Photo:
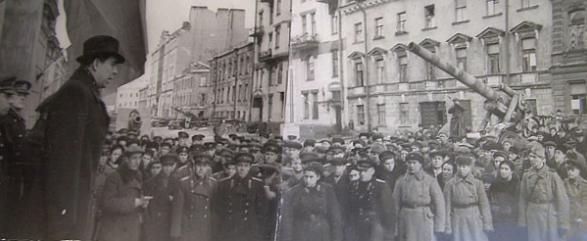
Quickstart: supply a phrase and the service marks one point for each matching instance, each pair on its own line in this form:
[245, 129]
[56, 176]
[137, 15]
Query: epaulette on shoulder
[184, 178]
[380, 180]
[256, 179]
[224, 179]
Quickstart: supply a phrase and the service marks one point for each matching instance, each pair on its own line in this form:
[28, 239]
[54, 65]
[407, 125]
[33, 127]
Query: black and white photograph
[293, 120]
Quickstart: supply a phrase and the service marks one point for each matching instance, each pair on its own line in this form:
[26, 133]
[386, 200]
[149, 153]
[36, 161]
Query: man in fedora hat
[76, 127]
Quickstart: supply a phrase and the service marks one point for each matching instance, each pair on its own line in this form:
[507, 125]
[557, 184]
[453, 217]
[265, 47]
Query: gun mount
[504, 103]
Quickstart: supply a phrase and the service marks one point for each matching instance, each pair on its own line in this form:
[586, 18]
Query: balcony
[267, 1]
[305, 41]
[265, 55]
[257, 32]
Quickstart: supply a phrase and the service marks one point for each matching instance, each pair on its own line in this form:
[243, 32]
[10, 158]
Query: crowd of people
[414, 186]
[411, 186]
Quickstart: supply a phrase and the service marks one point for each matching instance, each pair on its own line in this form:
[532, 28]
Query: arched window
[577, 29]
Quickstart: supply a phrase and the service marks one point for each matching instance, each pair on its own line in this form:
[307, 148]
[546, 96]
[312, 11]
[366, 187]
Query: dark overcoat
[157, 216]
[310, 214]
[76, 126]
[191, 218]
[238, 205]
[121, 219]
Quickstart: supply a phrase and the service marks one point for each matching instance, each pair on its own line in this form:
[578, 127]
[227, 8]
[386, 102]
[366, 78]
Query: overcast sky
[169, 15]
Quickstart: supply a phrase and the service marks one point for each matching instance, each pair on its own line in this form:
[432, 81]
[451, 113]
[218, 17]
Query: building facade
[389, 88]
[205, 35]
[191, 92]
[231, 76]
[128, 96]
[28, 40]
[569, 56]
[271, 32]
[314, 103]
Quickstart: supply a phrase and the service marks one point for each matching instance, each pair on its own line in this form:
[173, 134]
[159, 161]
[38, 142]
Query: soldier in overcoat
[418, 203]
[20, 175]
[576, 188]
[192, 218]
[310, 210]
[467, 206]
[544, 203]
[238, 203]
[369, 206]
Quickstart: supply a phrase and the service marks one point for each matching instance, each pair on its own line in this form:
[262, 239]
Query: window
[361, 114]
[491, 7]
[401, 22]
[358, 32]
[461, 54]
[460, 7]
[315, 105]
[269, 105]
[313, 22]
[379, 27]
[277, 33]
[245, 92]
[359, 74]
[304, 24]
[240, 93]
[277, 7]
[529, 54]
[270, 35]
[429, 16]
[334, 63]
[531, 106]
[577, 29]
[402, 60]
[526, 4]
[381, 114]
[310, 68]
[493, 58]
[404, 114]
[280, 73]
[202, 99]
[334, 24]
[306, 106]
[578, 98]
[233, 94]
[380, 70]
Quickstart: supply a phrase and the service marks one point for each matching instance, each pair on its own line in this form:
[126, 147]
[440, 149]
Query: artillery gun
[504, 103]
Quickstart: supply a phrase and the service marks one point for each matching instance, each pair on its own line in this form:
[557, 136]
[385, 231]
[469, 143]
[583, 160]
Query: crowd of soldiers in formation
[420, 186]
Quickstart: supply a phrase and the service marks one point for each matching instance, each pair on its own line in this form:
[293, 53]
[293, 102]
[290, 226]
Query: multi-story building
[389, 88]
[231, 74]
[28, 54]
[205, 35]
[128, 95]
[313, 100]
[271, 32]
[569, 56]
[191, 92]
